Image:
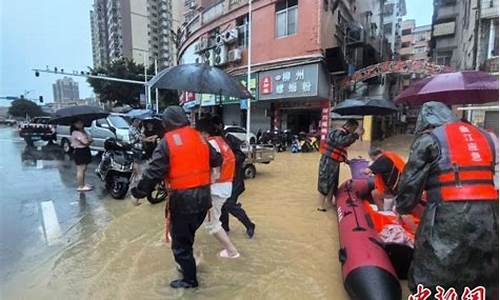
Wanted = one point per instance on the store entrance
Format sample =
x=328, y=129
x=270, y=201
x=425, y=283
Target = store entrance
x=303, y=120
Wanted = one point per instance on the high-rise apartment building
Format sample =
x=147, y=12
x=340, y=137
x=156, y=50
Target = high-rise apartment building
x=136, y=29
x=393, y=13
x=65, y=89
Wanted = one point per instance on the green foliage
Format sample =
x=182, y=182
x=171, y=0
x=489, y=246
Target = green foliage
x=118, y=93
x=23, y=107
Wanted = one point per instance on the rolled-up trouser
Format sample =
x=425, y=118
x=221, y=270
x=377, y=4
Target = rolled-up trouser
x=183, y=231
x=212, y=221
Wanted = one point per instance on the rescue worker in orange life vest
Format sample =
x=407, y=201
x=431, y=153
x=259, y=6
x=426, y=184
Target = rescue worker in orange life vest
x=220, y=190
x=333, y=152
x=387, y=167
x=182, y=159
x=456, y=243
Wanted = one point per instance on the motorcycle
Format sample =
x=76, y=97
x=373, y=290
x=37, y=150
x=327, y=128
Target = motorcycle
x=305, y=143
x=116, y=167
x=274, y=137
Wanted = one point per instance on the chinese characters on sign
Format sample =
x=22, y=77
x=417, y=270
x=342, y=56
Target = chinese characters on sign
x=478, y=293
x=266, y=85
x=471, y=144
x=292, y=82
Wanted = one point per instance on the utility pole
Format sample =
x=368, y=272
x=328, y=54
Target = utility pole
x=156, y=91
x=249, y=68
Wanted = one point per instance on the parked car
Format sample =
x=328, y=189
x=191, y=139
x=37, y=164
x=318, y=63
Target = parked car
x=113, y=126
x=37, y=129
x=240, y=133
x=8, y=122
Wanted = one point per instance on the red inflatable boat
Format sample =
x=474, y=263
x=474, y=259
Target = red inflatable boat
x=367, y=269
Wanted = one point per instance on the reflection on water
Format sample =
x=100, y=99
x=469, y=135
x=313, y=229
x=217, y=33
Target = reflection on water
x=115, y=250
x=37, y=157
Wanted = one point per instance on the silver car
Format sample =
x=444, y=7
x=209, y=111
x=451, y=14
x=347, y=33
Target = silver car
x=113, y=126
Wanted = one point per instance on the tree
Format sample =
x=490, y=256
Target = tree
x=119, y=93
x=22, y=107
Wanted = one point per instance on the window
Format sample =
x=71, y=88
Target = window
x=242, y=25
x=235, y=130
x=444, y=58
x=286, y=18
x=419, y=50
x=388, y=28
x=118, y=122
x=406, y=31
x=102, y=122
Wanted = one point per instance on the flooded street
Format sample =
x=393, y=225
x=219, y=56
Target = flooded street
x=59, y=244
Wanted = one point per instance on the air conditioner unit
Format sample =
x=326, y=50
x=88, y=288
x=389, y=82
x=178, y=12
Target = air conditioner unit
x=219, y=39
x=220, y=55
x=230, y=35
x=208, y=57
x=234, y=55
x=355, y=35
x=201, y=45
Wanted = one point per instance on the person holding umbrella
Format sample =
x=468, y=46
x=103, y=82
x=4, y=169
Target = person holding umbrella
x=333, y=152
x=80, y=141
x=182, y=159
x=457, y=240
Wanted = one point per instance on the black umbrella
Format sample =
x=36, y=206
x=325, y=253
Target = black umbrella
x=199, y=78
x=365, y=107
x=86, y=113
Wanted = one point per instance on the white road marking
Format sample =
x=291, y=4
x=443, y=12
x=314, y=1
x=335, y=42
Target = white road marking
x=51, y=225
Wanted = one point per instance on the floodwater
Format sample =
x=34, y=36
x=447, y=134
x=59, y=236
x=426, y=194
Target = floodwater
x=58, y=244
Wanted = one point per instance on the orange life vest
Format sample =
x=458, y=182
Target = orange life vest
x=466, y=164
x=399, y=165
x=189, y=158
x=334, y=152
x=381, y=219
x=229, y=161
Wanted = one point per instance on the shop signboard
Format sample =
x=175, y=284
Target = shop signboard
x=293, y=82
x=210, y=100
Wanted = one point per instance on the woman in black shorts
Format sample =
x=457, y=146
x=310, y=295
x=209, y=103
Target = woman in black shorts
x=80, y=141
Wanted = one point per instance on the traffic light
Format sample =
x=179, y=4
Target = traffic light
x=40, y=99
x=37, y=74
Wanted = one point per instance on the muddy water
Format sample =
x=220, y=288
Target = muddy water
x=117, y=251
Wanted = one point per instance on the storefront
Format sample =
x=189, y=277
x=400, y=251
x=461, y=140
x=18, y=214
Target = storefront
x=297, y=96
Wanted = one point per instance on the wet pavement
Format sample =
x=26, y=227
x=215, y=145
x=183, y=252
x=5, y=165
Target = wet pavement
x=59, y=244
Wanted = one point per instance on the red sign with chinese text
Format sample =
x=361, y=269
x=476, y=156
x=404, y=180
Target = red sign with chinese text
x=266, y=85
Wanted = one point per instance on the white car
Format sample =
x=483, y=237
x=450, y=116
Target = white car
x=240, y=133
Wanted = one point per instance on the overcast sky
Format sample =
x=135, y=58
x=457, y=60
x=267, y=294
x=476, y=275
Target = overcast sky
x=419, y=10
x=36, y=33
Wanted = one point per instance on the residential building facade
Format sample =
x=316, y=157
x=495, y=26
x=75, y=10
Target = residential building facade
x=415, y=41
x=465, y=37
x=65, y=89
x=465, y=33
x=393, y=13
x=300, y=51
x=135, y=29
